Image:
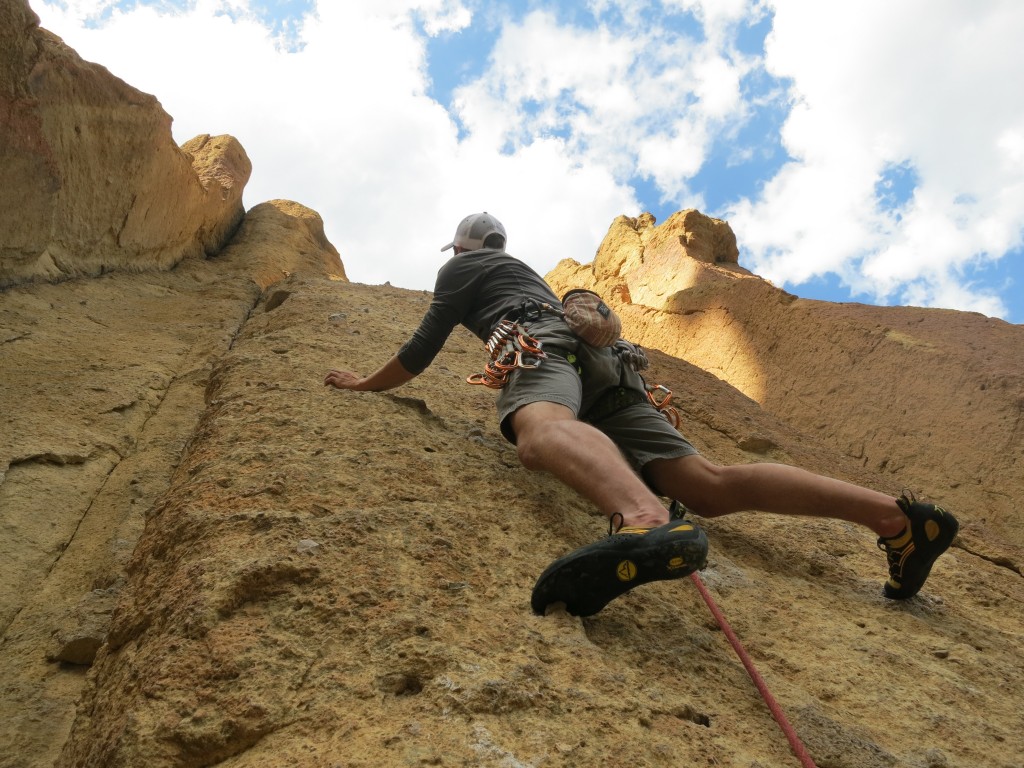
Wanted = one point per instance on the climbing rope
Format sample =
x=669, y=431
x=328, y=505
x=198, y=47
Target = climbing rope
x=794, y=741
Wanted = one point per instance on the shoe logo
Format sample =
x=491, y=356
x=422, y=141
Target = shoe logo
x=626, y=570
x=683, y=527
x=676, y=563
x=931, y=530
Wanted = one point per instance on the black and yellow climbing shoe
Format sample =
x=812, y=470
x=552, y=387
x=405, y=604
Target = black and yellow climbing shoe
x=912, y=553
x=591, y=577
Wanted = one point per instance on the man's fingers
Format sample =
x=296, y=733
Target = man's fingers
x=341, y=379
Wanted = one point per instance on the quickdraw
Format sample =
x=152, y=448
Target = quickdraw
x=660, y=397
x=510, y=347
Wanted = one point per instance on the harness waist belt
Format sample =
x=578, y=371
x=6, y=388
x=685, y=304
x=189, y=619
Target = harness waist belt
x=613, y=401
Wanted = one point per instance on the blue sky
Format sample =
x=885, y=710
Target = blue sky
x=869, y=152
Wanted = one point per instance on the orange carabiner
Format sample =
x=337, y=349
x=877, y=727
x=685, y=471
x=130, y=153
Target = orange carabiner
x=487, y=379
x=666, y=396
x=530, y=345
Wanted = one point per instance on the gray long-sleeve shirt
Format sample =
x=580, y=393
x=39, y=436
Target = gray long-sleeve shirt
x=477, y=289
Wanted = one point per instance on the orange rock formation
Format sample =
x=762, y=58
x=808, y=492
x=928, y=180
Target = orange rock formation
x=206, y=558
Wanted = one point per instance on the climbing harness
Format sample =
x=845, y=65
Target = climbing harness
x=613, y=401
x=510, y=347
x=618, y=398
x=658, y=395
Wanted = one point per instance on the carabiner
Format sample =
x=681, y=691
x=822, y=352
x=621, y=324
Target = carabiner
x=531, y=345
x=666, y=396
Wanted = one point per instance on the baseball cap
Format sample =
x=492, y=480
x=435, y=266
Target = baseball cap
x=474, y=229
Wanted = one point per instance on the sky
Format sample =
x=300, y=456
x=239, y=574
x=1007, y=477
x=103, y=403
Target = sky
x=869, y=151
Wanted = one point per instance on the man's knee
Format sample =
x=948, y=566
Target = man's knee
x=528, y=456
x=533, y=425
x=698, y=483
x=534, y=442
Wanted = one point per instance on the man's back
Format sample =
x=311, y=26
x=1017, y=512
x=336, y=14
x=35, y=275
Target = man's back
x=477, y=289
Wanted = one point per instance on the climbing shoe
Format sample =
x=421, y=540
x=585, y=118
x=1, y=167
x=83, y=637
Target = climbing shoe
x=912, y=552
x=591, y=577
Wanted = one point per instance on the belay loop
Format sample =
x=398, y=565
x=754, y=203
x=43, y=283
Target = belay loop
x=510, y=347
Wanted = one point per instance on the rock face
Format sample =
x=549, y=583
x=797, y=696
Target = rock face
x=933, y=395
x=104, y=383
x=91, y=178
x=207, y=558
x=639, y=262
x=344, y=578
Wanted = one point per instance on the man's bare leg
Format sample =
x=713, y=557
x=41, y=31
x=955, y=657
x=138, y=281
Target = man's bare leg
x=551, y=439
x=711, y=490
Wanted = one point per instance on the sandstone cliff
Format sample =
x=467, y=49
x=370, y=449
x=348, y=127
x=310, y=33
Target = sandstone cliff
x=930, y=399
x=209, y=559
x=93, y=180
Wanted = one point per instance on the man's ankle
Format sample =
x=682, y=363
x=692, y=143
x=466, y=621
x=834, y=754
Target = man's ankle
x=645, y=519
x=892, y=523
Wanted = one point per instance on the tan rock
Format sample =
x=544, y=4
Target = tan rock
x=85, y=629
x=403, y=633
x=639, y=262
x=406, y=637
x=91, y=179
x=892, y=387
x=104, y=384
x=262, y=571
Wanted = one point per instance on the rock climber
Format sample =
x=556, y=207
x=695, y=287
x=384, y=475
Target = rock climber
x=582, y=414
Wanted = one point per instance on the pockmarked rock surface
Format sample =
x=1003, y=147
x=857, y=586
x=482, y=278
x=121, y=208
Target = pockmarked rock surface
x=339, y=578
x=209, y=558
x=103, y=385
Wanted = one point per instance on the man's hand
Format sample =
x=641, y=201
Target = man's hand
x=343, y=379
x=392, y=374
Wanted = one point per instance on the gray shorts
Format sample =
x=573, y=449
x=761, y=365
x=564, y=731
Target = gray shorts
x=640, y=432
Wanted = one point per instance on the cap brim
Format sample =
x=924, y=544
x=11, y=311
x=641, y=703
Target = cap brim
x=450, y=245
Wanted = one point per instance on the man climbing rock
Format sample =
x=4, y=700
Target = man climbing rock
x=581, y=412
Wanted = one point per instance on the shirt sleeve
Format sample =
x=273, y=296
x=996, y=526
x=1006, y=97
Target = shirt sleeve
x=453, y=297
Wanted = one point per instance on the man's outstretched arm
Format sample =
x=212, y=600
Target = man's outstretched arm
x=392, y=374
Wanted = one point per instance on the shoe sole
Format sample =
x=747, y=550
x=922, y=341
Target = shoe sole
x=940, y=545
x=591, y=577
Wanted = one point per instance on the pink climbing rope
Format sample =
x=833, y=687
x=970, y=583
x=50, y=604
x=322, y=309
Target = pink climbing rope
x=780, y=717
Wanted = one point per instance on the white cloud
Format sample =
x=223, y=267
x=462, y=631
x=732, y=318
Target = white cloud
x=441, y=16
x=343, y=124
x=720, y=16
x=647, y=102
x=340, y=118
x=878, y=84
x=571, y=114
